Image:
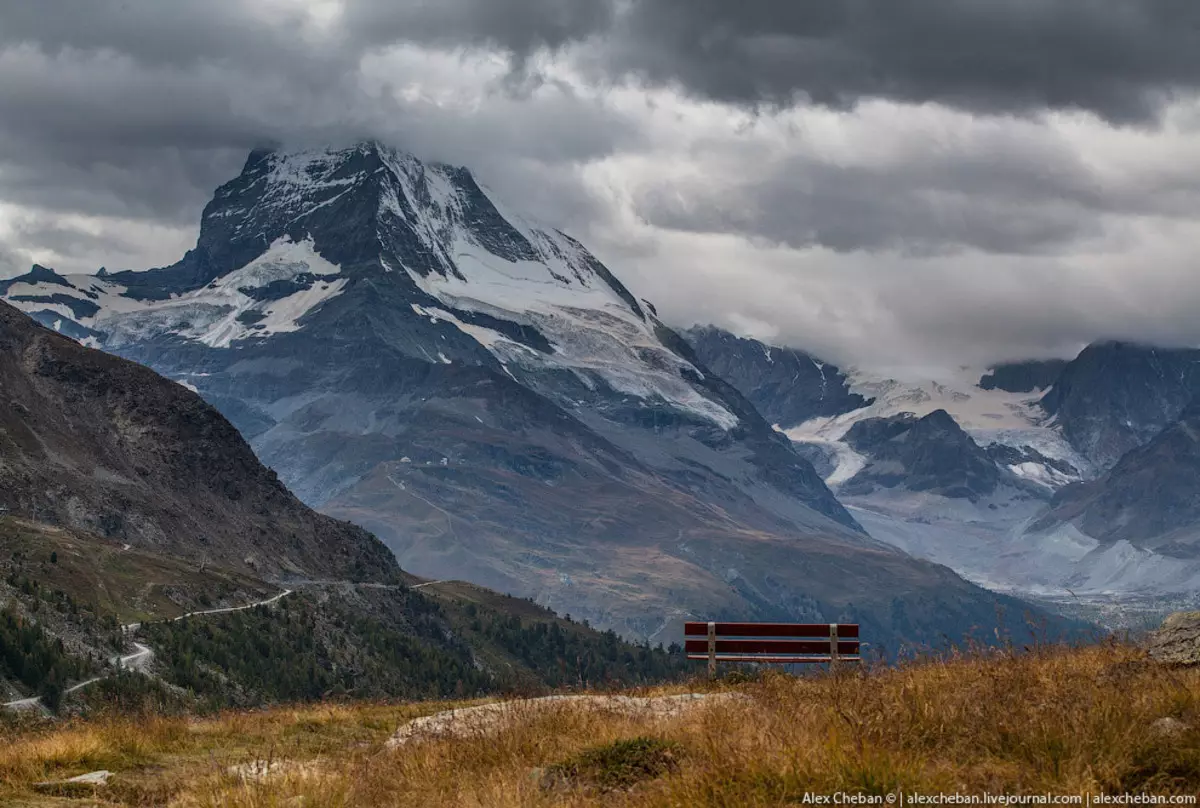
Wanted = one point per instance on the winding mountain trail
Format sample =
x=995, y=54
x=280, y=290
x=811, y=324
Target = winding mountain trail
x=229, y=609
x=141, y=658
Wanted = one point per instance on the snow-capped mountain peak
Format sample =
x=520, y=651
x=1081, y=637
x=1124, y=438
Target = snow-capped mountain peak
x=297, y=229
x=409, y=352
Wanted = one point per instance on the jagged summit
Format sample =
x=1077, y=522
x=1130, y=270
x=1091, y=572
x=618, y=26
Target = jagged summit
x=370, y=208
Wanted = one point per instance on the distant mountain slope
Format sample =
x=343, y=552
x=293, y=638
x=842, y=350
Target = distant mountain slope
x=97, y=443
x=1150, y=498
x=1116, y=396
x=125, y=500
x=931, y=453
x=998, y=411
x=408, y=352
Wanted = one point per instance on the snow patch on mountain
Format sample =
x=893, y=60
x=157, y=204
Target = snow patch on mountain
x=226, y=310
x=594, y=332
x=94, y=293
x=477, y=260
x=229, y=309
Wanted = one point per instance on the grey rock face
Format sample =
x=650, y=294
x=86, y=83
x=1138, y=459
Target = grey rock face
x=1168, y=727
x=93, y=442
x=1151, y=497
x=787, y=386
x=1023, y=377
x=930, y=454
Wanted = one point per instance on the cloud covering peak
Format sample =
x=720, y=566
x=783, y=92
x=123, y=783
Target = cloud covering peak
x=878, y=181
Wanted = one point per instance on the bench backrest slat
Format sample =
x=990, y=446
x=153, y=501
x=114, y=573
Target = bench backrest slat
x=773, y=647
x=845, y=630
x=771, y=642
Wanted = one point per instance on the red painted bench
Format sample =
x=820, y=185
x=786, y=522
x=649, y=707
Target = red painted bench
x=771, y=642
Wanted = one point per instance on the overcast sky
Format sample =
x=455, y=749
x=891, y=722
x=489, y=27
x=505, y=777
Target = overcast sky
x=881, y=182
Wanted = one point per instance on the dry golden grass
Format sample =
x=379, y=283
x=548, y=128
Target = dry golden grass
x=1058, y=720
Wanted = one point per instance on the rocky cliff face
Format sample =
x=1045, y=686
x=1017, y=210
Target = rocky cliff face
x=99, y=444
x=1023, y=377
x=487, y=397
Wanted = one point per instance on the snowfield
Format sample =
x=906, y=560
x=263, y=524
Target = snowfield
x=989, y=416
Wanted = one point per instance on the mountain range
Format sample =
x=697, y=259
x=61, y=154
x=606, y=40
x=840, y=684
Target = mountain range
x=411, y=355
x=1055, y=479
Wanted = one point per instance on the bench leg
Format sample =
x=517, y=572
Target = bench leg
x=712, y=651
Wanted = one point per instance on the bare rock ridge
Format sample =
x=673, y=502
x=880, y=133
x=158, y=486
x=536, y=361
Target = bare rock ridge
x=100, y=444
x=932, y=454
x=1023, y=377
x=787, y=386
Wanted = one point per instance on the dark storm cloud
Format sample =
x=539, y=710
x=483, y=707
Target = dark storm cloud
x=958, y=237
x=1014, y=190
x=1118, y=58
x=1121, y=59
x=171, y=33
x=139, y=108
x=806, y=204
x=519, y=27
x=69, y=241
x=11, y=262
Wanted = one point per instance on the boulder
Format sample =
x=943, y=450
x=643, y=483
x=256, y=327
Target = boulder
x=493, y=718
x=1177, y=641
x=82, y=786
x=1168, y=728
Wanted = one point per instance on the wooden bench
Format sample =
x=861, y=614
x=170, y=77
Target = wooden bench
x=771, y=642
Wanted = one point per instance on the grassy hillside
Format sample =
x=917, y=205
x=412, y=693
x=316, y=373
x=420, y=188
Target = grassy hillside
x=64, y=597
x=367, y=642
x=109, y=577
x=1057, y=721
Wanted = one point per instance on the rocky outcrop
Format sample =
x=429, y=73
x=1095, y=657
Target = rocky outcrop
x=492, y=719
x=1117, y=396
x=931, y=454
x=1023, y=377
x=1177, y=641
